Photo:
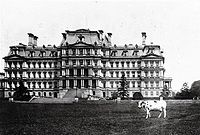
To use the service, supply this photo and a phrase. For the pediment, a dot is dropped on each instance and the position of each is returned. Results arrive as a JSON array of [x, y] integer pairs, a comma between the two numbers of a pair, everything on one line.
[[80, 44], [13, 57], [152, 55]]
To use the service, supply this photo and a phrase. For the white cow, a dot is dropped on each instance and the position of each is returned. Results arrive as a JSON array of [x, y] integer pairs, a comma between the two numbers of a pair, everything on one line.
[[156, 105]]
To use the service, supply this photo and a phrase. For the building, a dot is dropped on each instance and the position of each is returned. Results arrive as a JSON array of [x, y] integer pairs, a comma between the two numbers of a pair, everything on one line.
[[85, 63], [2, 85]]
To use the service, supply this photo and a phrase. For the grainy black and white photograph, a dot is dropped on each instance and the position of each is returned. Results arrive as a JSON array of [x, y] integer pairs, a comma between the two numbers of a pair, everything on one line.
[[99, 67]]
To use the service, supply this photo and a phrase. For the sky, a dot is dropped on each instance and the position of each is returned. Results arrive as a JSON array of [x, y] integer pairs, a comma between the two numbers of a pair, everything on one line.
[[172, 24]]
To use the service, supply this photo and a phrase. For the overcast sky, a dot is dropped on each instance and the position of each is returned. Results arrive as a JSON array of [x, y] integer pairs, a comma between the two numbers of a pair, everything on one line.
[[174, 25]]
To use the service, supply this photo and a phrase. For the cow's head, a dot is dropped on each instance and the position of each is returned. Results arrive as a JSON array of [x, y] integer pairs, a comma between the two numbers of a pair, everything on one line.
[[141, 104]]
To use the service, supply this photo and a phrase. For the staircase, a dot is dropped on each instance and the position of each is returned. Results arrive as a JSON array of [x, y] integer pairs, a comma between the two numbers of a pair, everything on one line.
[[73, 93]]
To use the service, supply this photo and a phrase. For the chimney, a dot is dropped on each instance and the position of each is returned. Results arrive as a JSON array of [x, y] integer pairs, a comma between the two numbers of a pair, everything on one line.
[[35, 40], [144, 36], [109, 37], [101, 34], [30, 38]]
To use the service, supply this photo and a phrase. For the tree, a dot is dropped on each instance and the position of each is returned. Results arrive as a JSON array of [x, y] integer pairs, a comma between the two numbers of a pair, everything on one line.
[[137, 96], [185, 92], [21, 93], [165, 92], [195, 89], [123, 89]]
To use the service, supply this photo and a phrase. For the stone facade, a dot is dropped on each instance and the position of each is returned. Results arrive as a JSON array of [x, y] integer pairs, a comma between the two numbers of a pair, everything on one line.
[[85, 63]]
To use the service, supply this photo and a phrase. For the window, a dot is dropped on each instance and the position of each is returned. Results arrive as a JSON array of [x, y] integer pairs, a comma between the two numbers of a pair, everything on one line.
[[122, 63], [79, 83], [124, 53], [39, 85], [86, 72], [128, 64], [93, 83], [151, 93], [151, 63], [117, 64], [111, 64], [88, 51], [50, 64], [95, 62], [95, 52], [128, 74], [66, 62], [33, 74], [45, 94], [28, 83], [157, 84], [28, 74], [157, 93], [74, 62], [45, 74], [104, 53], [45, 84], [151, 84], [81, 62], [111, 74], [138, 73], [146, 74], [111, 84], [104, 63], [88, 62], [81, 51], [113, 53], [104, 84], [33, 64], [50, 84], [55, 84], [157, 74], [71, 83], [146, 93], [146, 64], [157, 63], [133, 84], [71, 72], [104, 74], [67, 52], [79, 72], [139, 84], [86, 83], [151, 74], [93, 92], [39, 74], [44, 63], [117, 74], [73, 51], [133, 63], [55, 64], [133, 74], [50, 74], [146, 84], [138, 63], [33, 84], [39, 64]]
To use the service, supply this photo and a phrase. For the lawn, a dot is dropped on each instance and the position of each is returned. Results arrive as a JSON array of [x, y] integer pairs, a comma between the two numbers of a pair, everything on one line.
[[183, 117]]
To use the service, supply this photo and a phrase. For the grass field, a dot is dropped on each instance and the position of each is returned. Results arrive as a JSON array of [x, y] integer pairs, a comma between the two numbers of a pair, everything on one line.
[[108, 118]]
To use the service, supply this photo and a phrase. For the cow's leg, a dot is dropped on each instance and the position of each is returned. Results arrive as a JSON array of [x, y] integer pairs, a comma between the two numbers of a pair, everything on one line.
[[164, 111], [160, 114], [147, 116]]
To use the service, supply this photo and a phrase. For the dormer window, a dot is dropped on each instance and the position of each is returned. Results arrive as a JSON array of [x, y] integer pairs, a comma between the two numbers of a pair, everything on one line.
[[124, 53], [113, 53], [135, 53], [31, 54], [42, 53]]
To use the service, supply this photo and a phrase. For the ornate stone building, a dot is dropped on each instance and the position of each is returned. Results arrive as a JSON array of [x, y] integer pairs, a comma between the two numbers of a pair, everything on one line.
[[85, 63]]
